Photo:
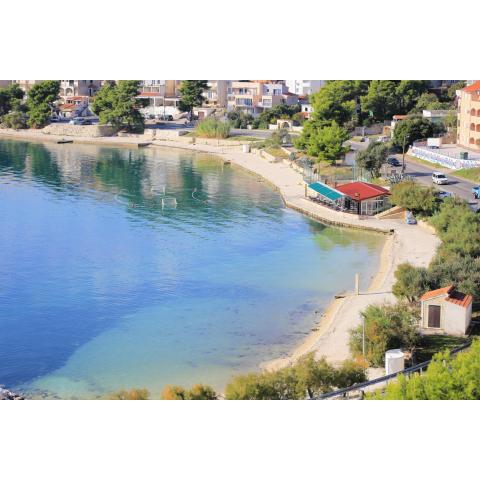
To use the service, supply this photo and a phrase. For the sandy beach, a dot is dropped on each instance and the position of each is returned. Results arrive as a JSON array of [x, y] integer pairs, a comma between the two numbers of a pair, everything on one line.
[[413, 243]]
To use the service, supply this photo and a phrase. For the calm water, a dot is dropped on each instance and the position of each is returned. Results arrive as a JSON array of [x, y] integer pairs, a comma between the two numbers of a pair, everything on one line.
[[104, 286]]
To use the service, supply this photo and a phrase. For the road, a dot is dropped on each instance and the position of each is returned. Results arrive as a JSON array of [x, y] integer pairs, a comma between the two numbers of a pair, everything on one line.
[[457, 186], [423, 174]]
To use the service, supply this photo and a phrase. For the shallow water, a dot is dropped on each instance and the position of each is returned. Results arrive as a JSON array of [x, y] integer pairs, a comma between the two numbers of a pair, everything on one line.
[[125, 267]]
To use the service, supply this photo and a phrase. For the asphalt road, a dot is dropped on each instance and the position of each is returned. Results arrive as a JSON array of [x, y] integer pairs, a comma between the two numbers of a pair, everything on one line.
[[457, 186]]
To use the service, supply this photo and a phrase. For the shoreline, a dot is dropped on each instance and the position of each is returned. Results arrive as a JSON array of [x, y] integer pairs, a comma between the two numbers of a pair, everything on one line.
[[329, 336]]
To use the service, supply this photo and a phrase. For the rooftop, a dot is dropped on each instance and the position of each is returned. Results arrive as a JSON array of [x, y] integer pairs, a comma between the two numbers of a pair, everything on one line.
[[362, 190], [474, 87], [451, 295]]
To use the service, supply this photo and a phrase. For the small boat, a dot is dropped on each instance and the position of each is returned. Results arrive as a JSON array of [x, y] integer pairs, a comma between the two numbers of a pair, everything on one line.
[[64, 141]]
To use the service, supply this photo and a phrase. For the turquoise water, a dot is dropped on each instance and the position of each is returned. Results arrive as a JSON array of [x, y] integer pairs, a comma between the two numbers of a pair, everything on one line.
[[106, 283]]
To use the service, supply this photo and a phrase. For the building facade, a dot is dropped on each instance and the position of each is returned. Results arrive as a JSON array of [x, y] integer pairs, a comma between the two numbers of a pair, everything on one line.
[[468, 126], [216, 95], [163, 97], [78, 88], [255, 96], [304, 87]]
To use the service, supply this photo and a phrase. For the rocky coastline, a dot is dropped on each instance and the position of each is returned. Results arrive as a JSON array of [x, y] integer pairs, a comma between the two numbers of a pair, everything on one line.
[[9, 395]]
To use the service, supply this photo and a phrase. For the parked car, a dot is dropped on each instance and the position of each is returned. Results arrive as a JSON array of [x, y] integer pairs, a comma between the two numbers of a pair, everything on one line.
[[80, 121], [393, 162], [54, 119], [439, 178], [476, 192], [168, 118], [442, 194]]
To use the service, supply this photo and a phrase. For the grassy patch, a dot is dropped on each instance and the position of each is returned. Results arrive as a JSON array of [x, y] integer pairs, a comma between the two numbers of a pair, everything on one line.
[[380, 181], [277, 152], [431, 344], [472, 174], [244, 138]]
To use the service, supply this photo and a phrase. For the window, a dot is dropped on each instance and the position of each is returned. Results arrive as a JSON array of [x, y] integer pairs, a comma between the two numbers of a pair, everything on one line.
[[434, 316]]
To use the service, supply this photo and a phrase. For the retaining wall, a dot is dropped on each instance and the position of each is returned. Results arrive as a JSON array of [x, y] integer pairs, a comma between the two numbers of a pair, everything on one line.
[[67, 130]]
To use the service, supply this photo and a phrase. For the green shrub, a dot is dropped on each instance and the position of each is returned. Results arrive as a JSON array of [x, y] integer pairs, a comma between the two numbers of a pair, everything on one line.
[[212, 128], [458, 227], [447, 378], [197, 392], [132, 394], [15, 120], [411, 282], [307, 378], [412, 196], [386, 326]]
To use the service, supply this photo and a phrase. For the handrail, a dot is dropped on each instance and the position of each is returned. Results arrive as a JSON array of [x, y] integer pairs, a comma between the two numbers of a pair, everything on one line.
[[406, 371]]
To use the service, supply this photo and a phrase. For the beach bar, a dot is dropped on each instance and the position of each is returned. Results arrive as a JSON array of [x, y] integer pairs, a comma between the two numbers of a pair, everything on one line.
[[360, 198]]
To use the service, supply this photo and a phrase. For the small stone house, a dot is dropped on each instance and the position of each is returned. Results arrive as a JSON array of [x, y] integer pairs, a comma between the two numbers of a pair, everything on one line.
[[446, 310]]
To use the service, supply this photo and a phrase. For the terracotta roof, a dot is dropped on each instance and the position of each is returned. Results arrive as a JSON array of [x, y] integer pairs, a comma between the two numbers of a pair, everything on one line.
[[362, 190], [435, 293], [400, 117], [67, 106], [461, 299], [149, 94], [473, 87]]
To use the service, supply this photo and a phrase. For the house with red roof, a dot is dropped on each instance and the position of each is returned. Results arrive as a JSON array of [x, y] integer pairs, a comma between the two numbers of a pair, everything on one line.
[[446, 310]]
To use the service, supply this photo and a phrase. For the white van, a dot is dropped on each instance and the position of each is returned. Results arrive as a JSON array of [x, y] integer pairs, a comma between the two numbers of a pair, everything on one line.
[[439, 178]]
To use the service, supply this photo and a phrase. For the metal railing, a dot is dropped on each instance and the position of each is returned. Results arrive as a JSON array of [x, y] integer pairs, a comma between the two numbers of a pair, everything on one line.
[[342, 392]]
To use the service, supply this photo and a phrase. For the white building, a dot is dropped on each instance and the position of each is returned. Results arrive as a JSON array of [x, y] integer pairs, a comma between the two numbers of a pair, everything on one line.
[[304, 87], [446, 311]]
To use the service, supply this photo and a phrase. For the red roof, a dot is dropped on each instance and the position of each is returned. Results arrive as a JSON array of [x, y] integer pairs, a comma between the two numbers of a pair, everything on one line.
[[460, 299], [473, 87], [436, 293], [451, 295], [361, 190], [67, 106], [400, 117]]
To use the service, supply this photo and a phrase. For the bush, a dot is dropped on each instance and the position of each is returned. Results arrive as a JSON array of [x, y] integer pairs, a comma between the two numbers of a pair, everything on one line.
[[212, 128], [132, 394], [307, 378], [446, 378], [411, 282], [197, 392], [458, 228], [239, 119], [386, 326], [15, 120], [412, 196]]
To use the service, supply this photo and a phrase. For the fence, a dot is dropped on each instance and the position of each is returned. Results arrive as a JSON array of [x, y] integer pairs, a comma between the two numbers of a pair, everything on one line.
[[446, 160], [360, 387]]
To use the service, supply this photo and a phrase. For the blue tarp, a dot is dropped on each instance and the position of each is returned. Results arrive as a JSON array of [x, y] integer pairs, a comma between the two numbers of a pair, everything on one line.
[[326, 191]]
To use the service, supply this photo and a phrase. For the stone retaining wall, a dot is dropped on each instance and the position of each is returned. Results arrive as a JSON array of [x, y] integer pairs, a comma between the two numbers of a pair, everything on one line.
[[89, 131]]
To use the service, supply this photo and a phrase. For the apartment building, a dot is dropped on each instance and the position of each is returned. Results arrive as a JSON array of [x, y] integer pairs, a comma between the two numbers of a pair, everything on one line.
[[304, 87], [468, 126], [255, 96], [216, 95], [78, 88], [162, 95]]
